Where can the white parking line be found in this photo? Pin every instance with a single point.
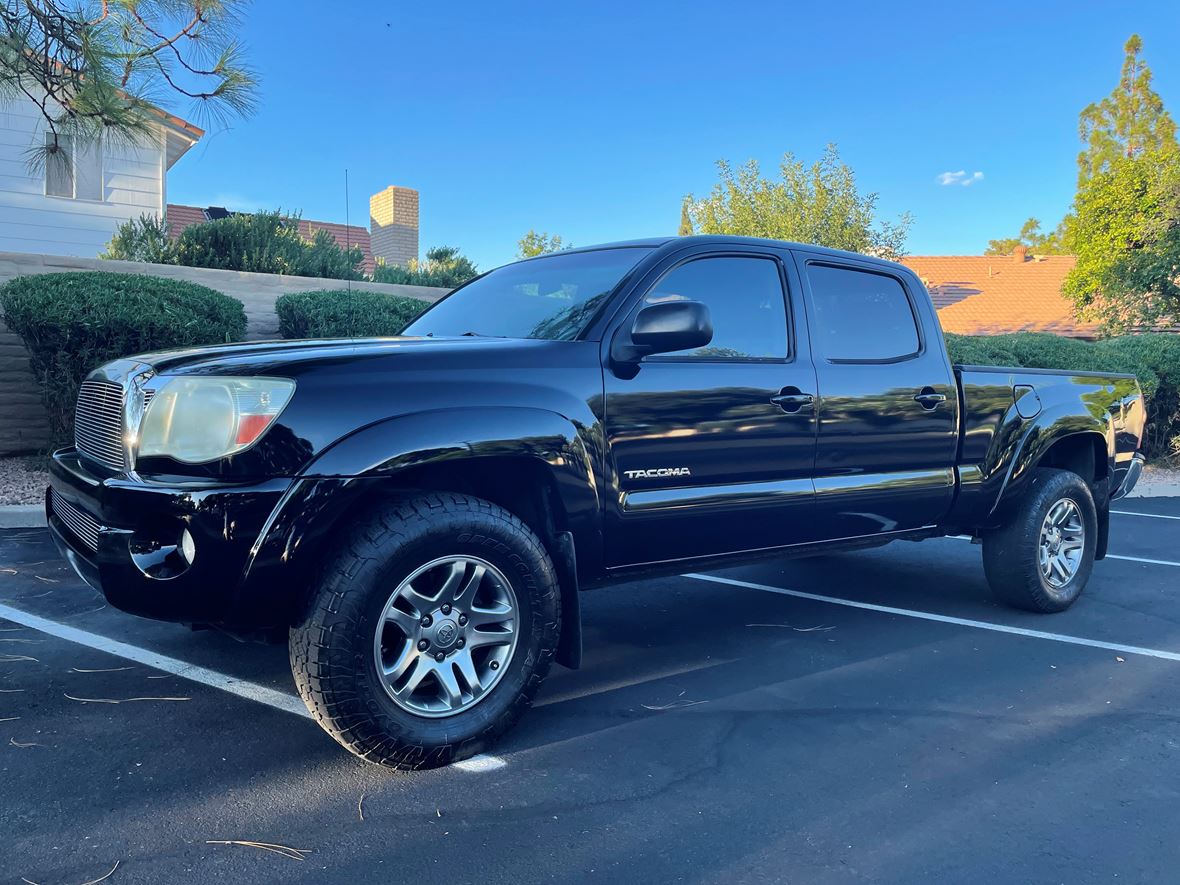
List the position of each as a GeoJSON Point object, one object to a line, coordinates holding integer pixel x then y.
{"type": "Point", "coordinates": [1142, 559]}
{"type": "Point", "coordinates": [250, 691]}
{"type": "Point", "coordinates": [1152, 515]}
{"type": "Point", "coordinates": [946, 619]}
{"type": "Point", "coordinates": [1108, 555]}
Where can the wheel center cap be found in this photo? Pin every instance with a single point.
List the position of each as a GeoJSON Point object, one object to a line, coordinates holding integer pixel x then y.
{"type": "Point", "coordinates": [446, 632]}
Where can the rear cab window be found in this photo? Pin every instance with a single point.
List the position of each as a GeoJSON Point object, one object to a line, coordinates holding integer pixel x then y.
{"type": "Point", "coordinates": [861, 315]}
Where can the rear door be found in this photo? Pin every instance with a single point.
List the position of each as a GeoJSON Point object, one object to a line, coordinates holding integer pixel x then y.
{"type": "Point", "coordinates": [710, 451]}
{"type": "Point", "coordinates": [888, 404]}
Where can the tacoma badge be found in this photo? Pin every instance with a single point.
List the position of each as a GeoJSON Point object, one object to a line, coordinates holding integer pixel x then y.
{"type": "Point", "coordinates": [655, 472]}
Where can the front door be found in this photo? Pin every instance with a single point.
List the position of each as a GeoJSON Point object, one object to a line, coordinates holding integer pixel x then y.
{"type": "Point", "coordinates": [711, 450]}
{"type": "Point", "coordinates": [888, 406]}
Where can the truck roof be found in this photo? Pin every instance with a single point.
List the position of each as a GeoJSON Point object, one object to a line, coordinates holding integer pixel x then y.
{"type": "Point", "coordinates": [726, 239]}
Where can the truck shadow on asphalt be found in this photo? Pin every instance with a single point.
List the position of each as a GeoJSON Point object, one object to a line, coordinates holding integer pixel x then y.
{"type": "Point", "coordinates": [652, 647]}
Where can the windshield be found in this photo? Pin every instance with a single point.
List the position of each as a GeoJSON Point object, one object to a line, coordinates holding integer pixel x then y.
{"type": "Point", "coordinates": [552, 297]}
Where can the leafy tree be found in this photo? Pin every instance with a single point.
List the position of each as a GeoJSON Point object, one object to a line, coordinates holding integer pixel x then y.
{"type": "Point", "coordinates": [1031, 238]}
{"type": "Point", "coordinates": [817, 204]}
{"type": "Point", "coordinates": [533, 244]}
{"type": "Point", "coordinates": [95, 68]}
{"type": "Point", "coordinates": [1125, 228]}
{"type": "Point", "coordinates": [1130, 122]}
{"type": "Point", "coordinates": [685, 229]}
{"type": "Point", "coordinates": [443, 267]}
{"type": "Point", "coordinates": [1126, 233]}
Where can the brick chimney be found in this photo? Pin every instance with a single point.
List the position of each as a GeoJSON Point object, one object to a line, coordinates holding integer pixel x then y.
{"type": "Point", "coordinates": [1020, 254]}
{"type": "Point", "coordinates": [393, 224]}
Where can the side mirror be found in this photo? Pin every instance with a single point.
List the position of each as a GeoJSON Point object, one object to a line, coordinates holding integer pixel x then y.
{"type": "Point", "coordinates": [665, 328]}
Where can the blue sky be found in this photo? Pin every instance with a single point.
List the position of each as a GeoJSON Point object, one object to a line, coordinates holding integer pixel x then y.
{"type": "Point", "coordinates": [592, 120]}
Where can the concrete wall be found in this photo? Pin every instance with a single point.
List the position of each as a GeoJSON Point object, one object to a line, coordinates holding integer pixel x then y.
{"type": "Point", "coordinates": [22, 417]}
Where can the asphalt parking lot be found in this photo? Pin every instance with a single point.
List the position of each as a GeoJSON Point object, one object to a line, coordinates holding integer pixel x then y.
{"type": "Point", "coordinates": [902, 728]}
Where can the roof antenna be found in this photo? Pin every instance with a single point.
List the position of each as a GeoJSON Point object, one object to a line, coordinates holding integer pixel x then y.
{"type": "Point", "coordinates": [347, 226]}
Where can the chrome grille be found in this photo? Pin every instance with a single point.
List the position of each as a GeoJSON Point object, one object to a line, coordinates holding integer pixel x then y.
{"type": "Point", "coordinates": [84, 526]}
{"type": "Point", "coordinates": [98, 423]}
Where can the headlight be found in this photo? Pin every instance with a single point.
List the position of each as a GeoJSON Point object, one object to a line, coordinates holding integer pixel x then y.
{"type": "Point", "coordinates": [202, 419]}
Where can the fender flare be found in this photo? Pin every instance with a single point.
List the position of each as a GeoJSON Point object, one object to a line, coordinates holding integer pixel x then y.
{"type": "Point", "coordinates": [1042, 433]}
{"type": "Point", "coordinates": [351, 470]}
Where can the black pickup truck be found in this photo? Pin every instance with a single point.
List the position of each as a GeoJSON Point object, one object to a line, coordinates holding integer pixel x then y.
{"type": "Point", "coordinates": [421, 512]}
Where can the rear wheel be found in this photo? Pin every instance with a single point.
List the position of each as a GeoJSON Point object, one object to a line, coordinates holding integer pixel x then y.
{"type": "Point", "coordinates": [1041, 560]}
{"type": "Point", "coordinates": [430, 633]}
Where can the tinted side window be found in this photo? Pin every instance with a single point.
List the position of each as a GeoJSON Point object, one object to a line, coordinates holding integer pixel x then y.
{"type": "Point", "coordinates": [860, 315]}
{"type": "Point", "coordinates": [745, 301]}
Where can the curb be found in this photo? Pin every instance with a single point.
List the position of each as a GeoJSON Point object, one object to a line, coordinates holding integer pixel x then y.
{"type": "Point", "coordinates": [22, 516]}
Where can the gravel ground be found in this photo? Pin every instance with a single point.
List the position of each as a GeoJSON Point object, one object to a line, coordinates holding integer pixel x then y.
{"type": "Point", "coordinates": [22, 480]}
{"type": "Point", "coordinates": [1158, 482]}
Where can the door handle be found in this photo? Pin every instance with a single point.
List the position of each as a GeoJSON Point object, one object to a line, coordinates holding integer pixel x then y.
{"type": "Point", "coordinates": [792, 400]}
{"type": "Point", "coordinates": [928, 399]}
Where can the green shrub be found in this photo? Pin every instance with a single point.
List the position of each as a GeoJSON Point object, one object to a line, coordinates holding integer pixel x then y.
{"type": "Point", "coordinates": [142, 239]}
{"type": "Point", "coordinates": [443, 267]}
{"type": "Point", "coordinates": [266, 242]}
{"type": "Point", "coordinates": [74, 322]}
{"type": "Point", "coordinates": [262, 242]}
{"type": "Point", "coordinates": [337, 313]}
{"type": "Point", "coordinates": [1154, 359]}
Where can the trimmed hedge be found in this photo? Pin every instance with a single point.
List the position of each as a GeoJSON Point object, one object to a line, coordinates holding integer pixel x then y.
{"type": "Point", "coordinates": [338, 313]}
{"type": "Point", "coordinates": [1154, 359]}
{"type": "Point", "coordinates": [73, 322]}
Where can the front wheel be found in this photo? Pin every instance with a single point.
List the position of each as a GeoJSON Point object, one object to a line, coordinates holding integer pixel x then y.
{"type": "Point", "coordinates": [1042, 558]}
{"type": "Point", "coordinates": [430, 633]}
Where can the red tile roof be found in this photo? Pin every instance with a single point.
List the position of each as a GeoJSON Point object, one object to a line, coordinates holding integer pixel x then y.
{"type": "Point", "coordinates": [993, 294]}
{"type": "Point", "coordinates": [180, 217]}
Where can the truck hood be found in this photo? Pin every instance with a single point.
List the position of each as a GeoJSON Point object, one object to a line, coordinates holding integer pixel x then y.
{"type": "Point", "coordinates": [295, 357]}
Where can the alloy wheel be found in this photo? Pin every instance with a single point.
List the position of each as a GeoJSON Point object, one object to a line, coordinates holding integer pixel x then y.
{"type": "Point", "coordinates": [446, 635]}
{"type": "Point", "coordinates": [1062, 543]}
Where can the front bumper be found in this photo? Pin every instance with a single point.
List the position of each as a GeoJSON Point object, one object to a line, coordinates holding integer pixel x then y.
{"type": "Point", "coordinates": [1128, 477]}
{"type": "Point", "coordinates": [108, 528]}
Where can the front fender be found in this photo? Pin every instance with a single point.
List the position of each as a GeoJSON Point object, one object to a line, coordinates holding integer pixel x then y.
{"type": "Point", "coordinates": [374, 460]}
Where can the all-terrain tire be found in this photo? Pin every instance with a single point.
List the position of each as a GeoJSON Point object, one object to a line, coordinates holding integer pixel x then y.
{"type": "Point", "coordinates": [1011, 553]}
{"type": "Point", "coordinates": [332, 648]}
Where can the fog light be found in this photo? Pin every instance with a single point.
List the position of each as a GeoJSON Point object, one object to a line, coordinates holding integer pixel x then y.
{"type": "Point", "coordinates": [163, 552]}
{"type": "Point", "coordinates": [188, 547]}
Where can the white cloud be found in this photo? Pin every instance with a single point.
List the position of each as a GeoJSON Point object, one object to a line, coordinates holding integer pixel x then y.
{"type": "Point", "coordinates": [963, 177]}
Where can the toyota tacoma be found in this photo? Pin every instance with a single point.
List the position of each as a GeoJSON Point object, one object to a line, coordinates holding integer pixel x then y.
{"type": "Point", "coordinates": [418, 514]}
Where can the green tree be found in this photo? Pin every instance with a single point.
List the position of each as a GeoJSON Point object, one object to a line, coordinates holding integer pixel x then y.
{"type": "Point", "coordinates": [1031, 238]}
{"type": "Point", "coordinates": [1130, 122]}
{"type": "Point", "coordinates": [817, 204]}
{"type": "Point", "coordinates": [533, 244]}
{"type": "Point", "coordinates": [685, 229]}
{"type": "Point", "coordinates": [1125, 228]}
{"type": "Point", "coordinates": [96, 68]}
{"type": "Point", "coordinates": [1126, 234]}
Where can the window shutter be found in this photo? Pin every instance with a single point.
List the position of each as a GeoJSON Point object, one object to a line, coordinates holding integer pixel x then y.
{"type": "Point", "coordinates": [88, 171]}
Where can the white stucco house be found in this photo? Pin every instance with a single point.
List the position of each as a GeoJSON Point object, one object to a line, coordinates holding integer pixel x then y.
{"type": "Point", "coordinates": [73, 202]}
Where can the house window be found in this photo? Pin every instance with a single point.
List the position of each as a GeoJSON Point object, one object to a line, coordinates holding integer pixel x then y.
{"type": "Point", "coordinates": [73, 173]}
